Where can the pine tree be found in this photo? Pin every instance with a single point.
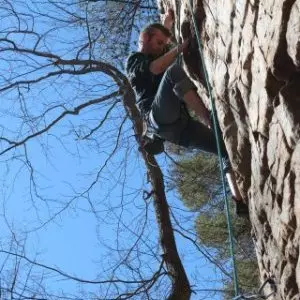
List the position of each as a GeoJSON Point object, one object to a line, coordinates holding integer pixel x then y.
{"type": "Point", "coordinates": [198, 182]}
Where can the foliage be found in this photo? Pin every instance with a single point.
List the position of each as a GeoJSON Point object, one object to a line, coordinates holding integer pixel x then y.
{"type": "Point", "coordinates": [208, 224]}
{"type": "Point", "coordinates": [248, 275]}
{"type": "Point", "coordinates": [198, 184]}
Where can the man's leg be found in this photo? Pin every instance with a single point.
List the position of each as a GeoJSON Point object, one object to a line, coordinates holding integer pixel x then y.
{"type": "Point", "coordinates": [233, 186]}
{"type": "Point", "coordinates": [167, 109]}
{"type": "Point", "coordinates": [167, 104]}
{"type": "Point", "coordinates": [198, 136]}
{"type": "Point", "coordinates": [194, 103]}
{"type": "Point", "coordinates": [175, 87]}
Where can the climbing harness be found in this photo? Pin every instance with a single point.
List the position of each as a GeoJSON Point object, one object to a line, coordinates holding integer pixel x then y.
{"type": "Point", "coordinates": [238, 296]}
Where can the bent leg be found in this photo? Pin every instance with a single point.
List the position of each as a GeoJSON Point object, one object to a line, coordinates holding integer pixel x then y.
{"type": "Point", "coordinates": [167, 104]}
{"type": "Point", "coordinates": [198, 136]}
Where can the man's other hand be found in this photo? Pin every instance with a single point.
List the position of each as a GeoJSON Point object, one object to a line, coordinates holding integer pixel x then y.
{"type": "Point", "coordinates": [169, 19]}
{"type": "Point", "coordinates": [183, 48]}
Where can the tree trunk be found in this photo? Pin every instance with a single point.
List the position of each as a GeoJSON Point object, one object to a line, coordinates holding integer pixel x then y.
{"type": "Point", "coordinates": [181, 289]}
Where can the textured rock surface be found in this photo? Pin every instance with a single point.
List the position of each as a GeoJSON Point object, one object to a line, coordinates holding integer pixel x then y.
{"type": "Point", "coordinates": [252, 53]}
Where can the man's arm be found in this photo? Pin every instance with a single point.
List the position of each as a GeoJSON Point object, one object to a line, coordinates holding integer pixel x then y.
{"type": "Point", "coordinates": [169, 19]}
{"type": "Point", "coordinates": [160, 64]}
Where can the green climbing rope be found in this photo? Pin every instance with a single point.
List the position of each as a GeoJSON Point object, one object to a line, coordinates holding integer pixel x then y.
{"type": "Point", "coordinates": [217, 135]}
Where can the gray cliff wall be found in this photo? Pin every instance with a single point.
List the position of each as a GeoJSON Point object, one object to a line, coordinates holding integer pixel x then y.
{"type": "Point", "coordinates": [252, 53]}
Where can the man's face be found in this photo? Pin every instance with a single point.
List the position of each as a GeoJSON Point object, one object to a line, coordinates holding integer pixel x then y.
{"type": "Point", "coordinates": [157, 42]}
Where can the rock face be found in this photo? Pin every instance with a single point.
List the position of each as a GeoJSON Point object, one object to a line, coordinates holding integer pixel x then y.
{"type": "Point", "coordinates": [252, 54]}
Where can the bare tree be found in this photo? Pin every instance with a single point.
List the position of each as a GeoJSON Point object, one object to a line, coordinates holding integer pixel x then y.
{"type": "Point", "coordinates": [62, 86]}
{"type": "Point", "coordinates": [52, 70]}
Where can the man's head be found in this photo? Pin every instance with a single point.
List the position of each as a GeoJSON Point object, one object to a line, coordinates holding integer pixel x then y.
{"type": "Point", "coordinates": [154, 39]}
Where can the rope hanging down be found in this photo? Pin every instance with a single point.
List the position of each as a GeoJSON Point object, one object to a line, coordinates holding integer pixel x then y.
{"type": "Point", "coordinates": [269, 281]}
{"type": "Point", "coordinates": [178, 9]}
{"type": "Point", "coordinates": [217, 135]}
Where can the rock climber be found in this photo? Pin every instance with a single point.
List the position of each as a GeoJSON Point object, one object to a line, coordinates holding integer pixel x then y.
{"type": "Point", "coordinates": [165, 94]}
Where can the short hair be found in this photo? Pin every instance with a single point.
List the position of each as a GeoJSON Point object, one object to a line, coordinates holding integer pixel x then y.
{"type": "Point", "coordinates": [149, 29]}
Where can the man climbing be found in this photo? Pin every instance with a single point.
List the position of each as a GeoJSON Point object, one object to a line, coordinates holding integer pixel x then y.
{"type": "Point", "coordinates": [164, 92]}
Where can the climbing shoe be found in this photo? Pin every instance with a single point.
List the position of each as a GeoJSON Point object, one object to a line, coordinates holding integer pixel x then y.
{"type": "Point", "coordinates": [153, 145]}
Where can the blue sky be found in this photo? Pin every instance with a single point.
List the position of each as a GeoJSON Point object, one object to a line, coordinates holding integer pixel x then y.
{"type": "Point", "coordinates": [59, 218]}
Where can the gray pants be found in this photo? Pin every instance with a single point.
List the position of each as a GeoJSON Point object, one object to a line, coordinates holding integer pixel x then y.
{"type": "Point", "coordinates": [174, 123]}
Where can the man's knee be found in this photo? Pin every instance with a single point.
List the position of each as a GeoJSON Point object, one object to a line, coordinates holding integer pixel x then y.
{"type": "Point", "coordinates": [175, 73]}
{"type": "Point", "coordinates": [183, 86]}
{"type": "Point", "coordinates": [181, 82]}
